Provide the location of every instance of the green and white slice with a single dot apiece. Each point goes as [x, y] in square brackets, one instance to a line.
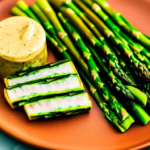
[60, 68]
[58, 106]
[27, 91]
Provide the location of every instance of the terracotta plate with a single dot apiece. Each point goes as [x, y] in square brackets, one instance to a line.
[84, 131]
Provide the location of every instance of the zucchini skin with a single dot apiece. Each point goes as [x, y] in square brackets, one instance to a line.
[32, 74]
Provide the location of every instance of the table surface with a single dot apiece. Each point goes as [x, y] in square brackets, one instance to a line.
[8, 143]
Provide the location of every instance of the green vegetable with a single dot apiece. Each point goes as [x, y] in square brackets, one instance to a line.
[117, 31]
[142, 97]
[124, 24]
[139, 112]
[26, 91]
[25, 8]
[127, 70]
[103, 49]
[77, 38]
[16, 11]
[136, 109]
[96, 80]
[137, 48]
[62, 34]
[122, 123]
[140, 69]
[113, 79]
[128, 91]
[79, 42]
[67, 104]
[60, 68]
[48, 26]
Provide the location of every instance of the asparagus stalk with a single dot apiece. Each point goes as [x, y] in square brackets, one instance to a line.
[79, 42]
[135, 46]
[147, 36]
[58, 47]
[97, 81]
[140, 52]
[85, 50]
[16, 11]
[136, 49]
[25, 8]
[93, 40]
[117, 83]
[124, 24]
[144, 86]
[126, 70]
[88, 23]
[48, 26]
[137, 110]
[140, 113]
[128, 91]
[104, 90]
[140, 69]
[48, 10]
[122, 125]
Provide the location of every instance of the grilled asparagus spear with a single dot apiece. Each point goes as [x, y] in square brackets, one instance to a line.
[140, 68]
[122, 123]
[124, 24]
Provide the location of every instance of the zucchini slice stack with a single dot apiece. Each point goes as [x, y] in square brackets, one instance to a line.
[48, 91]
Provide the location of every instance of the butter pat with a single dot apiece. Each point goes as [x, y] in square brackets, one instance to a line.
[22, 45]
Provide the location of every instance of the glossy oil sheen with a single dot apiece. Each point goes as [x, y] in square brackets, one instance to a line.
[87, 130]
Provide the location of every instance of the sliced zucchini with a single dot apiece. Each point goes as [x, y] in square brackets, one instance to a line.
[60, 68]
[15, 95]
[59, 105]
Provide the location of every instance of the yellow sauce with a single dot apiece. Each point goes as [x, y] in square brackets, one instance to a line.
[22, 45]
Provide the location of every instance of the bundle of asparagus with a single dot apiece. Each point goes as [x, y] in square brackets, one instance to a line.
[91, 52]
